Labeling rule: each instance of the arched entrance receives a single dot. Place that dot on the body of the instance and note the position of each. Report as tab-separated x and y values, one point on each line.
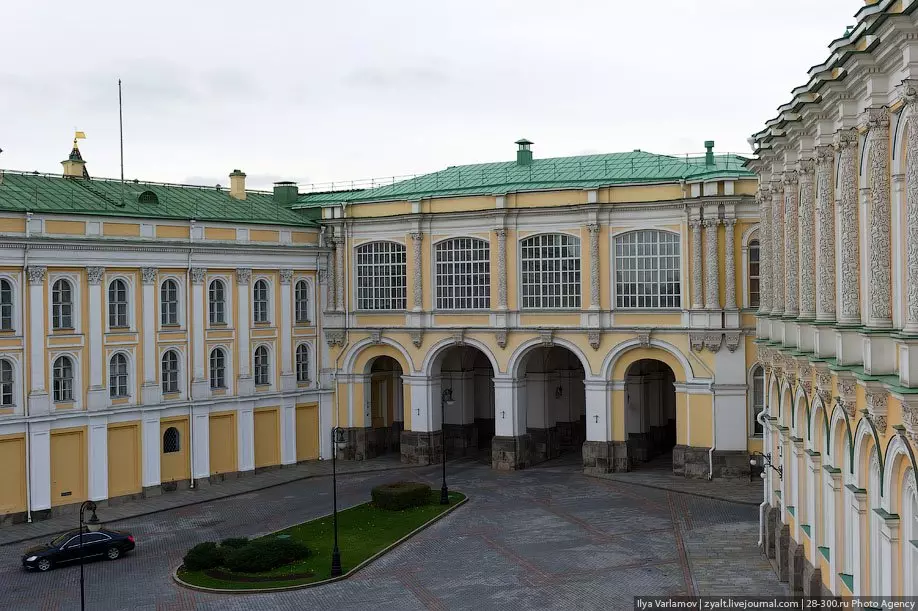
465	372
384	394
650	413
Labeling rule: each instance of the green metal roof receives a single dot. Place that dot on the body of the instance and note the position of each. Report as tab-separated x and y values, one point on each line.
51	193
582	172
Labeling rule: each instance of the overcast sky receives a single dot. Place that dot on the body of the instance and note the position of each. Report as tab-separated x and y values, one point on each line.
320	91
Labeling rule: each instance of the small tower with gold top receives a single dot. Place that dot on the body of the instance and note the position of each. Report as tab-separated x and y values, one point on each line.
74	166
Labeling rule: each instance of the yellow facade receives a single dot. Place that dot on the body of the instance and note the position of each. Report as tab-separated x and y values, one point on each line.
12	476
223	443
174	466
124	453
68	466
307	432
267	437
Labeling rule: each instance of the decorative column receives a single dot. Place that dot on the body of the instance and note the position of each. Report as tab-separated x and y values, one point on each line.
200	389
825	233
501	234
39	402
697	288
339	274
97	397
806	225
245	382
712	279
288	379
846	145
150	391
791	307
880	313
764	251
417	239
911	207
594	265
730	263
777	245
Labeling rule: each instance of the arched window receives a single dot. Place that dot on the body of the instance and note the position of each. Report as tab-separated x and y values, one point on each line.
217	302
62	305
170	373
876	546
910	540
647	270
463	274
6	383
302	363
171	440
117	304
260	302
63	379
262	369
301	299
550	271
6	305
754	291
118	376
218	368
758	399
170	301
381	279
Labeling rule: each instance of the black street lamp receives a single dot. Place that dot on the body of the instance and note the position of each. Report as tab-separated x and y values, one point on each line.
765	464
337	442
92	525
445	399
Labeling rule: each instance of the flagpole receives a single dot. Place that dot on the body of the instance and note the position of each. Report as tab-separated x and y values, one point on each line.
121	138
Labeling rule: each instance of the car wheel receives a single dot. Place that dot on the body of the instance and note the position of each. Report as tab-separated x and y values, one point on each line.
43	564
113	553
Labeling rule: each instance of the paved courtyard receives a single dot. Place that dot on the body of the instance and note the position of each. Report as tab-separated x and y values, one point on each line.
545	538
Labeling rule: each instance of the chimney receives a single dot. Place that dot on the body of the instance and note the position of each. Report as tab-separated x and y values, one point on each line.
237	184
523	153
709	152
285	192
74	166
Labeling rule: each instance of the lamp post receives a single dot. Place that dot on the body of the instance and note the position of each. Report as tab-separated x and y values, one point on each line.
92	524
766	463
337	442
445	399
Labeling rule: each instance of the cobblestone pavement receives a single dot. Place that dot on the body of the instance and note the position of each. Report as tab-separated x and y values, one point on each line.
544	538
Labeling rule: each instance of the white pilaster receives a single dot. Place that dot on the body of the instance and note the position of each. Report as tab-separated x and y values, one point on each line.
417	240
848	234
419	388
245	381
39	401
594	230
98	458
910	89
152	444
339	273
777	245
825	234
151	392
288	377
730	263
806	229
200	389
97	397
200	461
288	431
697	282
598	414
765	255
246	437
510	416
889	556
501	234
40	465
879	314
791	220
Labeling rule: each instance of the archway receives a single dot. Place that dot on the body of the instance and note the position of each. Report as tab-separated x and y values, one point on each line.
384	394
650	413
554	399
465	372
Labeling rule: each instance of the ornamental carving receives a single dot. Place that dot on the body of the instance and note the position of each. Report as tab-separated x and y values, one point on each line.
697	288
879	279
417	338
501	338
712	341
243	275
148	274
877	408
711	281
825	233
806	226
334	337
643	338
376	336
322	275
807	385
791	250
197	274
339	274
416	239
910	420
910	91
777	246
594	338
733	340
730	263
459	337
547	337
765	253
846	387
286	275
846	145
594	264
95	274
36	274
501	234
696	339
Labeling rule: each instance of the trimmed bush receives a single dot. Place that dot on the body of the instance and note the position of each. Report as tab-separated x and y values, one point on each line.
203	556
401	495
234	542
263	555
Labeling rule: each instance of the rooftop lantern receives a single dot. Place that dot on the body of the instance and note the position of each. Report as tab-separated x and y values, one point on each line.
523	153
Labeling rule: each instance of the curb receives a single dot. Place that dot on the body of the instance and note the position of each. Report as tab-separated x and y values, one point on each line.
676	490
314	584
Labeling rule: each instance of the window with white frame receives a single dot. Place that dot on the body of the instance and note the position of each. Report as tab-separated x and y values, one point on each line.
170	371
62	379
381	276
117	304
6	305
754	262
169	302
463	274
62	305
910	541
302	363
301	301
217	302
118	376
260	302
262	367
218	368
647	270
550	271
6	383
758	399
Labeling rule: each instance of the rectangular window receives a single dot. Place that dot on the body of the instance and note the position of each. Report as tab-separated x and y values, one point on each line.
463	274
754	265
550	271
381	276
647	270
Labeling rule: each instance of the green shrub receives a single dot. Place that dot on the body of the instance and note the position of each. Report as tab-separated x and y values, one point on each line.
234	542
203	556
401	495
263	555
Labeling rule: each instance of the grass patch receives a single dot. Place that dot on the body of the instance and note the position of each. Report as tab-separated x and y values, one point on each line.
363	531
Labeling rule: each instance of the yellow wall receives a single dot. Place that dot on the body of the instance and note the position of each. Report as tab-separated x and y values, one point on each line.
267	437
219	233
65	227
647	319
174	465
121	229
12	475
307	432
302	237
223	443
124	452
172	232
68	466
12	225
264	235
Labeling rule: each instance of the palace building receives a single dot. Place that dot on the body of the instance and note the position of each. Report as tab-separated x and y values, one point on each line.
837	327
157	336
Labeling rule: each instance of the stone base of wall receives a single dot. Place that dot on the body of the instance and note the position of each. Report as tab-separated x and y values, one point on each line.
782	540
796	564
771	531
485	428
605	457
545	444
693	462
812	582
421	448
510	453
461	439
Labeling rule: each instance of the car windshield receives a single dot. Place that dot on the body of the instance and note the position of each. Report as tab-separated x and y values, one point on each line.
61	538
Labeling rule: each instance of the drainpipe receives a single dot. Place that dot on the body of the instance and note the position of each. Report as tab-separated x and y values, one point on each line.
765	440
27	355
713	438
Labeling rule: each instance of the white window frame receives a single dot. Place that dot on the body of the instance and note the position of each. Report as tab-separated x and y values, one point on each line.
874	477
751	234
77	391
130	293
227	367
569	299
129	362
750	397
381	292
13	360
76	288
180	301
478	293
305	322
617	260
296	363
910	537
227	300
270	306
270	365
179	377
15	287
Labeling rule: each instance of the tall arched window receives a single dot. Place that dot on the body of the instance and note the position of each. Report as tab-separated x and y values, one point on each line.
63	379
260	302
550	271
910	540
117	304
169	302
647	270
301	299
170	371
217	302
463	274
172	441
754	291
758	399
6	383
302	363
62	305
218	368
262	368
118	376
876	547
381	276
6	305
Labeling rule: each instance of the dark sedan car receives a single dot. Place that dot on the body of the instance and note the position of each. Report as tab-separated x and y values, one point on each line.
110	544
